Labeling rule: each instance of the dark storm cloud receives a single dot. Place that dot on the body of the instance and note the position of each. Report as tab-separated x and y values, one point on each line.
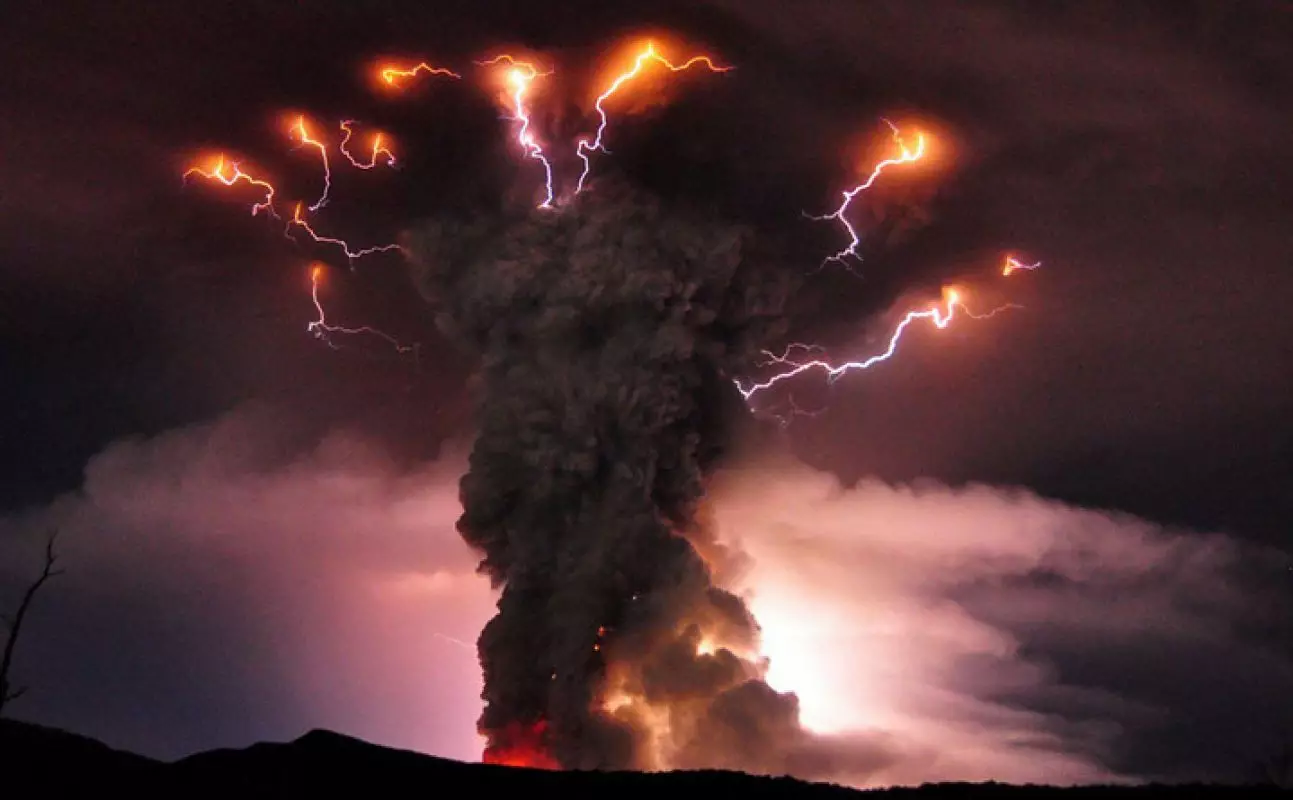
1138	150
143	303
1135	149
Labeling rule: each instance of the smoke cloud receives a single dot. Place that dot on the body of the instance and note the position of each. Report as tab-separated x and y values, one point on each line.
607	333
222	589
229	582
989	633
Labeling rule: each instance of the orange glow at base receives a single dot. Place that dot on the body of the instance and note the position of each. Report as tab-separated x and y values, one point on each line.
667	723
520	745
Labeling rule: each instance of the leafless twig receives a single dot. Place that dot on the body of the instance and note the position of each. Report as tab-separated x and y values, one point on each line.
14	623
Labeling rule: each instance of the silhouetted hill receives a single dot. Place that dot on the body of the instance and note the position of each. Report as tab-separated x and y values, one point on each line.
54	762
44	753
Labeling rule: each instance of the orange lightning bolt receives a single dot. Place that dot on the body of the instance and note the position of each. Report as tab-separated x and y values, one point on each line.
229	174
379	148
906	155
390	75
352	255
324	331
299	131
584	147
1014	265
520	77
940	315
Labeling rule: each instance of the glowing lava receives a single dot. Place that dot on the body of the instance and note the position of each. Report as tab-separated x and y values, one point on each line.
648	55
520	745
379	149
520	77
906	155
228	173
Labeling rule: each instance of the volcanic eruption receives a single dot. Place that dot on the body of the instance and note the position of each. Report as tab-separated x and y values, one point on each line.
612	327
608	334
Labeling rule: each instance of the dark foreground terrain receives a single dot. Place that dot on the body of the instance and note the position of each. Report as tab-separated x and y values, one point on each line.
40	761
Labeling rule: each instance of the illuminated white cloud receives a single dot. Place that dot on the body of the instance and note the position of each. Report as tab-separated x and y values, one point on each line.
928	613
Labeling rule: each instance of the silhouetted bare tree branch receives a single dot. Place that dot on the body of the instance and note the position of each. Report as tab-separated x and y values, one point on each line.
14	623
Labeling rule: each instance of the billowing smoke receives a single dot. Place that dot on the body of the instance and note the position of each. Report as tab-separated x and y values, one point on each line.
228	584
608	332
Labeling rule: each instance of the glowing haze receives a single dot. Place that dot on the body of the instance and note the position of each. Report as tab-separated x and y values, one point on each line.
355	603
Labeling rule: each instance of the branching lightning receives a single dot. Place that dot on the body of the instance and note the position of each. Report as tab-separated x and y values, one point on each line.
301	132
1013	265
229	174
940	315
584	147
791	411
520	76
379	150
392	74
298	221
906	155
324	331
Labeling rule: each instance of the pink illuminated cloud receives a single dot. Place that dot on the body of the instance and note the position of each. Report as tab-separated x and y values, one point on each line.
220	592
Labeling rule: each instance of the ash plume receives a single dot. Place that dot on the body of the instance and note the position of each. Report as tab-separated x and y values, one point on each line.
608	332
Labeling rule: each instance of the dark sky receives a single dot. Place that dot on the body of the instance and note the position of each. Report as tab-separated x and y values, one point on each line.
1141	151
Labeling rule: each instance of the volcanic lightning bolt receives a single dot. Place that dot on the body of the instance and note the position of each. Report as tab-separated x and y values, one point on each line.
301	132
1013	265
906	155
324	331
298	221
228	173
390	75
585	147
940	315
379	150
520	76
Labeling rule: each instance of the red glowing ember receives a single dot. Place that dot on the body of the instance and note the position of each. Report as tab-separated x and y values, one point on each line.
520	745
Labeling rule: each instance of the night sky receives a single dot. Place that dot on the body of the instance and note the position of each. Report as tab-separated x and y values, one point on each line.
166	407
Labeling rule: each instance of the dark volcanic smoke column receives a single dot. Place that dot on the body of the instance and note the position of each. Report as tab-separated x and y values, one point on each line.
608	331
